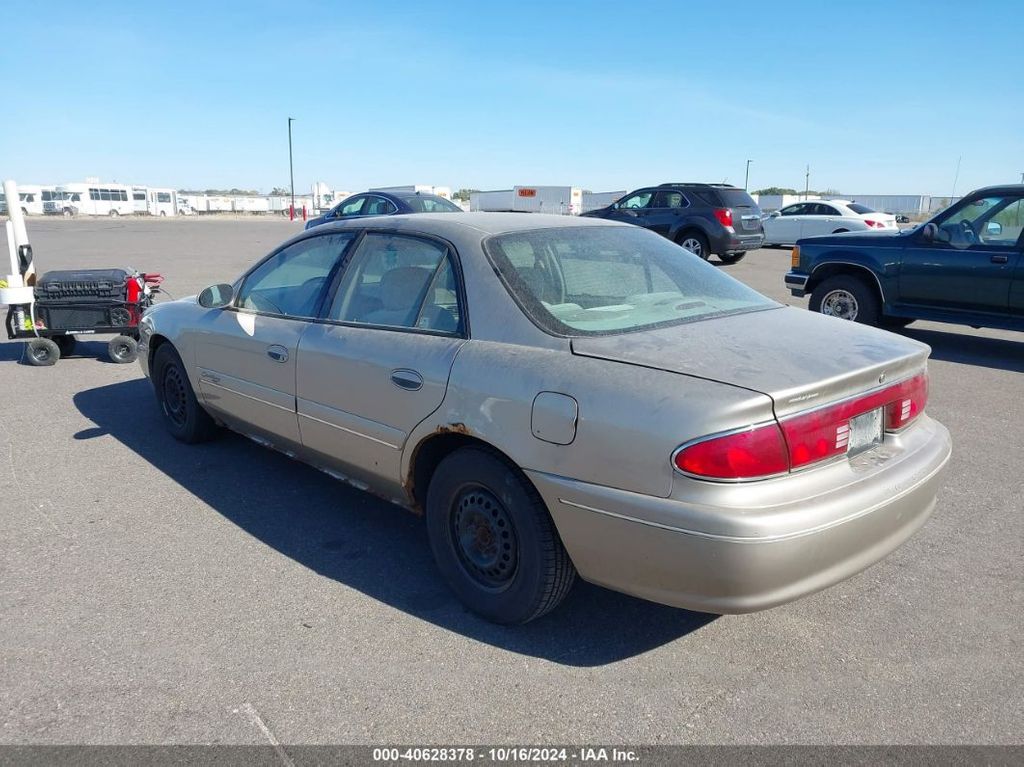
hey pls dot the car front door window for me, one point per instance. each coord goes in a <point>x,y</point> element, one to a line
<point>353,207</point>
<point>378,206</point>
<point>637,201</point>
<point>290,282</point>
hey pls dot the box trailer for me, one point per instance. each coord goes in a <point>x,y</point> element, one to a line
<point>560,200</point>
<point>595,200</point>
<point>252,205</point>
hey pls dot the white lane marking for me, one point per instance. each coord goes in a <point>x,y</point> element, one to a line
<point>255,718</point>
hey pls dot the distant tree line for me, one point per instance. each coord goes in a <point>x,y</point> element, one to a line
<point>225,192</point>
<point>787,190</point>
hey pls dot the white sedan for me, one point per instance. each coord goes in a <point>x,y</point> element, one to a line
<point>817,217</point>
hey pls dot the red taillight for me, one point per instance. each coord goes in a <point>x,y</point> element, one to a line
<point>874,224</point>
<point>911,398</point>
<point>758,452</point>
<point>802,439</point>
<point>724,216</point>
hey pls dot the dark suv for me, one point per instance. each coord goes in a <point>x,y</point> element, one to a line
<point>704,218</point>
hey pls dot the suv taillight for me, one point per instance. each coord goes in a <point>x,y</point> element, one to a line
<point>724,216</point>
<point>799,440</point>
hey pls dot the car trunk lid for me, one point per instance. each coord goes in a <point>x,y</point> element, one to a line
<point>798,358</point>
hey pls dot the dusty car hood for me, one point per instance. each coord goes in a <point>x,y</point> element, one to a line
<point>800,359</point>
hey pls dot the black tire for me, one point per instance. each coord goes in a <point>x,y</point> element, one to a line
<point>123,349</point>
<point>42,352</point>
<point>114,213</point>
<point>508,564</point>
<point>731,258</point>
<point>695,242</point>
<point>847,297</point>
<point>66,344</point>
<point>183,416</point>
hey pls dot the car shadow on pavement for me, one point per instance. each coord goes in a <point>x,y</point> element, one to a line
<point>366,543</point>
<point>951,346</point>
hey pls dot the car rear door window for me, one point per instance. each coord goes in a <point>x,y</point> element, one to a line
<point>379,206</point>
<point>399,281</point>
<point>291,281</point>
<point>670,200</point>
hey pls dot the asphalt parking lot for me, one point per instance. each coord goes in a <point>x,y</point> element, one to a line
<point>152,592</point>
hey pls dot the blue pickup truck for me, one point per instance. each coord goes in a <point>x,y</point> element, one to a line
<point>966,266</point>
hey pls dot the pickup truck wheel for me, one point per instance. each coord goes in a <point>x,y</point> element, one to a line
<point>846,297</point>
<point>731,258</point>
<point>493,539</point>
<point>183,416</point>
<point>696,243</point>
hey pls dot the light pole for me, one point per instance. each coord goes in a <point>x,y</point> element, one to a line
<point>291,169</point>
<point>746,178</point>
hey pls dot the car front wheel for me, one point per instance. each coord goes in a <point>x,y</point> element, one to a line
<point>493,539</point>
<point>183,416</point>
<point>846,297</point>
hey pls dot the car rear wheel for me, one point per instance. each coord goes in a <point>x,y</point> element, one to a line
<point>731,258</point>
<point>493,539</point>
<point>696,243</point>
<point>184,417</point>
<point>846,297</point>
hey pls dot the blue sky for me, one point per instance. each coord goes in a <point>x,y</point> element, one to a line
<point>876,97</point>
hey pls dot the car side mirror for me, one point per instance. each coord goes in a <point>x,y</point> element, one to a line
<point>929,232</point>
<point>216,296</point>
<point>993,229</point>
<point>774,214</point>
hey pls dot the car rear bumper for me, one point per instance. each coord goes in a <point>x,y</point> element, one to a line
<point>739,243</point>
<point>734,548</point>
<point>797,283</point>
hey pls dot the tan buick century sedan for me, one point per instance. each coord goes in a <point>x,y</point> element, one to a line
<point>559,396</point>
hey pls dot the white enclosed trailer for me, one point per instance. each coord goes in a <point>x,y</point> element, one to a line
<point>561,200</point>
<point>595,200</point>
<point>252,205</point>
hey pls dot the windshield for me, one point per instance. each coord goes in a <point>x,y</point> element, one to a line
<point>856,207</point>
<point>605,280</point>
<point>422,204</point>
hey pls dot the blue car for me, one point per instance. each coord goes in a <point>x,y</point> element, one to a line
<point>384,204</point>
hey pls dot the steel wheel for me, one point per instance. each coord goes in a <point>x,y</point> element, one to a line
<point>840,303</point>
<point>175,396</point>
<point>485,537</point>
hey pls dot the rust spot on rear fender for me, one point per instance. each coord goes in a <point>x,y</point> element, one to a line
<point>409,484</point>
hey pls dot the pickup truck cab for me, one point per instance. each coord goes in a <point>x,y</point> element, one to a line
<point>965,265</point>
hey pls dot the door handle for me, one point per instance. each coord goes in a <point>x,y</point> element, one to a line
<point>277,353</point>
<point>409,380</point>
<point>1000,259</point>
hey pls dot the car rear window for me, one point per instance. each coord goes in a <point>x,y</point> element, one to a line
<point>856,207</point>
<point>422,204</point>
<point>736,198</point>
<point>582,281</point>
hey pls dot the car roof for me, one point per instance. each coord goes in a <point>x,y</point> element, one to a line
<point>483,223</point>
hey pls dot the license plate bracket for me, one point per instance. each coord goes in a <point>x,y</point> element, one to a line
<point>865,431</point>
